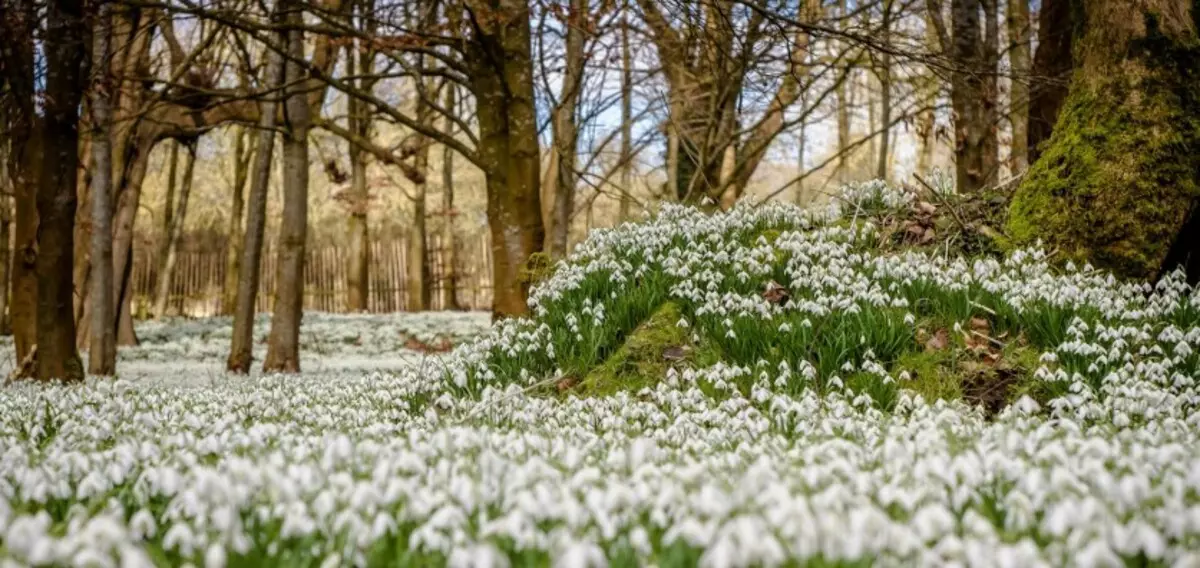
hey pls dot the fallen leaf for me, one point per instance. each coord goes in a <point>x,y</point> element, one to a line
<point>776,294</point>
<point>939,341</point>
<point>566,383</point>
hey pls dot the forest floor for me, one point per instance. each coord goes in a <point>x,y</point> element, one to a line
<point>767,386</point>
<point>183,350</point>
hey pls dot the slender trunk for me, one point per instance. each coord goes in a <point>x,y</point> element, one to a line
<point>843,106</point>
<point>566,131</point>
<point>990,119</point>
<point>283,344</point>
<point>24,145</point>
<point>801,169</point>
<point>419,277</point>
<point>973,92</point>
<point>885,95</point>
<point>358,281</point>
<point>6,189</point>
<point>102,347</point>
<point>500,59</point>
<point>172,234</point>
<point>128,197</point>
<point>234,240</point>
<point>242,341</point>
<point>449,238</point>
<point>56,198</point>
<point>1019,34</point>
<point>626,119</point>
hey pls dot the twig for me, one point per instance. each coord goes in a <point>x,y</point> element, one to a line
<point>982,307</point>
<point>944,202</point>
<point>1002,344</point>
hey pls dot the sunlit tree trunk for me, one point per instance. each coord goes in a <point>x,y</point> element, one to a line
<point>242,343</point>
<point>56,197</point>
<point>501,78</point>
<point>566,131</point>
<point>626,203</point>
<point>885,95</point>
<point>283,343</point>
<point>102,347</point>
<point>449,236</point>
<point>360,61</point>
<point>843,108</point>
<point>243,153</point>
<point>173,231</point>
<point>1019,34</point>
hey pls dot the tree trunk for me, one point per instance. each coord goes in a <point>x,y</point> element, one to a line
<point>358,280</point>
<point>102,347</point>
<point>1019,34</point>
<point>6,189</point>
<point>626,204</point>
<point>242,155</point>
<point>973,94</point>
<point>885,95</point>
<point>1117,182</point>
<point>566,131</point>
<point>24,163</point>
<point>449,237</point>
<point>283,344</point>
<point>129,196</point>
<point>1052,65</point>
<point>173,230</point>
<point>242,342</point>
<point>56,197</point>
<point>500,58</point>
<point>843,107</point>
<point>419,279</point>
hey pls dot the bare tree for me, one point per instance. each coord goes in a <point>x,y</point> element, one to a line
<point>19,23</point>
<point>173,223</point>
<point>242,342</point>
<point>566,130</point>
<point>64,48</point>
<point>449,236</point>
<point>283,343</point>
<point>243,154</point>
<point>102,350</point>
<point>1019,34</point>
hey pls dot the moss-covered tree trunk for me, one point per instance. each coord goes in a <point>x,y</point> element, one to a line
<point>1118,178</point>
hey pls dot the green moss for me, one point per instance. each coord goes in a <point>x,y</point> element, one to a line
<point>1118,175</point>
<point>932,374</point>
<point>643,359</point>
<point>537,268</point>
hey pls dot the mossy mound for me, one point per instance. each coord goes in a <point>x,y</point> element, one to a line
<point>657,345</point>
<point>780,301</point>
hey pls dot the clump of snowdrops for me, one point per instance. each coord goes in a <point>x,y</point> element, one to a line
<point>773,456</point>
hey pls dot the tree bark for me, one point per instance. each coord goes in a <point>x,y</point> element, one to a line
<point>242,342</point>
<point>973,93</point>
<point>283,343</point>
<point>566,131</point>
<point>885,94</point>
<point>173,230</point>
<point>242,155</point>
<point>626,203</point>
<point>1117,183</point>
<point>358,281</point>
<point>56,198</point>
<point>24,163</point>
<point>1019,34</point>
<point>843,108</point>
<point>1052,66</point>
<point>102,347</point>
<point>501,78</point>
<point>449,237</point>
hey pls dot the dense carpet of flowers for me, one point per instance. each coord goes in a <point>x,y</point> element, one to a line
<point>802,447</point>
